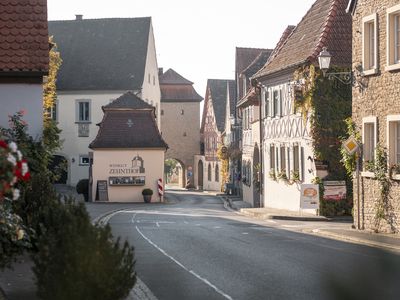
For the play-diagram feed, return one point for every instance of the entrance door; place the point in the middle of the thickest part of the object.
(200, 172)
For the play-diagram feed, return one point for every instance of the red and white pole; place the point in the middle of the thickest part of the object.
(160, 189)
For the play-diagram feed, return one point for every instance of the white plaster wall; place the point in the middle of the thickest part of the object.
(73, 145)
(154, 169)
(212, 185)
(26, 97)
(151, 92)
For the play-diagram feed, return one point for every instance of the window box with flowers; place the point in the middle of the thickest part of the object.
(272, 174)
(282, 176)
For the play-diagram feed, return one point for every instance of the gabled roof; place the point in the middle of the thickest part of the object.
(217, 91)
(128, 101)
(24, 41)
(257, 63)
(244, 56)
(326, 24)
(175, 88)
(101, 54)
(128, 124)
(172, 77)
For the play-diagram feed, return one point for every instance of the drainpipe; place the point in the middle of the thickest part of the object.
(257, 87)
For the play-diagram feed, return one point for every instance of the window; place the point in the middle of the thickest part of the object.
(280, 103)
(244, 85)
(266, 103)
(154, 80)
(393, 38)
(148, 78)
(83, 111)
(370, 44)
(162, 112)
(283, 159)
(209, 172)
(182, 112)
(394, 139)
(53, 112)
(84, 160)
(276, 104)
(296, 159)
(272, 157)
(369, 140)
(184, 134)
(217, 173)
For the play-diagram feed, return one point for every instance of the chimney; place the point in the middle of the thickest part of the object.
(160, 71)
(78, 17)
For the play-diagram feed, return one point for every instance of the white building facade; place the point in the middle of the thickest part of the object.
(86, 82)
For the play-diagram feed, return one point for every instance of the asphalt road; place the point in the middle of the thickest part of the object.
(195, 249)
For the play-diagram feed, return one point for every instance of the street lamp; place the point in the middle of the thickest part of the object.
(324, 60)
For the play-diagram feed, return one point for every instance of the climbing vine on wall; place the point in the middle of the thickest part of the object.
(223, 157)
(327, 103)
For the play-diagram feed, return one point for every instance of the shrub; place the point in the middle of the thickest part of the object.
(147, 192)
(77, 260)
(82, 187)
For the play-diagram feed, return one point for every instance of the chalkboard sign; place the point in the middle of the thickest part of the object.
(102, 190)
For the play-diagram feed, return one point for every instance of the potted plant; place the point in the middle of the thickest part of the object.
(82, 187)
(147, 193)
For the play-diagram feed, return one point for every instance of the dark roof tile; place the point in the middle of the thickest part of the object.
(24, 43)
(101, 54)
(176, 88)
(128, 122)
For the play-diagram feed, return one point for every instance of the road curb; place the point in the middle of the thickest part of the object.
(140, 291)
(355, 240)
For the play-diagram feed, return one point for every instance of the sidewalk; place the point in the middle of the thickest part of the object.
(18, 283)
(385, 241)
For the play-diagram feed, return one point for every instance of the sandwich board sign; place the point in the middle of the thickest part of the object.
(309, 197)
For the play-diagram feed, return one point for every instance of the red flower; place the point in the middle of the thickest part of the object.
(3, 144)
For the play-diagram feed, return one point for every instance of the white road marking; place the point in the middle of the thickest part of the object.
(158, 225)
(271, 221)
(182, 266)
(292, 226)
(245, 233)
(217, 227)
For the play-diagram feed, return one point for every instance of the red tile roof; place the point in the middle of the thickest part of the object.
(24, 44)
(326, 24)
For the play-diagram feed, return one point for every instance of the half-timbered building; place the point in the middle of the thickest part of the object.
(291, 156)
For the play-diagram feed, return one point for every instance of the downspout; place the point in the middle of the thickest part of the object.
(257, 87)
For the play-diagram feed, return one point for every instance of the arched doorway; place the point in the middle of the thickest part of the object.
(174, 172)
(256, 177)
(200, 173)
(59, 166)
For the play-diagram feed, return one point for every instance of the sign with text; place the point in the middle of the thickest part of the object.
(136, 167)
(309, 197)
(127, 180)
(334, 190)
(102, 190)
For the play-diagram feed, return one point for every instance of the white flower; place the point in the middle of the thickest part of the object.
(24, 168)
(19, 155)
(20, 234)
(14, 181)
(16, 194)
(13, 147)
(11, 159)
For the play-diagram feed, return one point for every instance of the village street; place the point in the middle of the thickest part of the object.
(193, 248)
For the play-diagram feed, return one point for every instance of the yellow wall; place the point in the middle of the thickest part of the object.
(154, 169)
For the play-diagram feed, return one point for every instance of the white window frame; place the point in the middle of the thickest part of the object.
(369, 120)
(392, 133)
(77, 110)
(368, 68)
(393, 62)
(84, 156)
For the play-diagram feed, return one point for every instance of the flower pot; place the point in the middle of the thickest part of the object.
(147, 198)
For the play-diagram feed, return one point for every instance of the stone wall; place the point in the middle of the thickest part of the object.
(181, 131)
(379, 98)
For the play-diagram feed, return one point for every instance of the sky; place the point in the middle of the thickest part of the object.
(197, 38)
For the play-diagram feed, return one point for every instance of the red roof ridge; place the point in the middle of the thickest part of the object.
(325, 32)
